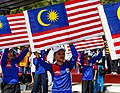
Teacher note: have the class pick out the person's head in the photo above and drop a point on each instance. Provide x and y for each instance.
(59, 54)
(22, 48)
(86, 56)
(37, 54)
(10, 54)
(45, 55)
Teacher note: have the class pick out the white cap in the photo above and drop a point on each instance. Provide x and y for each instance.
(56, 49)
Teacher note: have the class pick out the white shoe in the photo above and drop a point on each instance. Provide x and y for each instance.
(114, 73)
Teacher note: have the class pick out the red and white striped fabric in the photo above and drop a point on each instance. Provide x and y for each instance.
(84, 22)
(83, 19)
(88, 44)
(18, 35)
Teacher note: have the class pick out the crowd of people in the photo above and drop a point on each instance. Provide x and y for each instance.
(19, 62)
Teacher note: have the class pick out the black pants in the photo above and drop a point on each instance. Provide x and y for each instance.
(10, 88)
(114, 66)
(108, 62)
(87, 86)
(103, 61)
(40, 80)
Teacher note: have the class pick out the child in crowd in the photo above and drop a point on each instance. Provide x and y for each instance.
(60, 71)
(87, 71)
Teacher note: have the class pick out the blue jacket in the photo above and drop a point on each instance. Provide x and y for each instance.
(10, 71)
(38, 68)
(61, 74)
(87, 70)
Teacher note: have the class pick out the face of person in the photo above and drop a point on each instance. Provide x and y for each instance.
(36, 54)
(60, 56)
(10, 54)
(86, 57)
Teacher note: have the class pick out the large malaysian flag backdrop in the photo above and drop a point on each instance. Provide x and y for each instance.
(110, 17)
(63, 23)
(13, 31)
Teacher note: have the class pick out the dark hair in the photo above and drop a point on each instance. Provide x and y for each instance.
(11, 50)
(86, 54)
(14, 54)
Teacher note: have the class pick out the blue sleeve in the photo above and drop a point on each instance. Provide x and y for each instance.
(21, 56)
(94, 59)
(44, 64)
(42, 53)
(82, 58)
(35, 61)
(73, 60)
(4, 57)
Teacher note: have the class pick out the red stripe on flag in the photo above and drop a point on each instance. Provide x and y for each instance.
(117, 51)
(15, 15)
(17, 24)
(18, 28)
(14, 43)
(11, 20)
(12, 38)
(115, 36)
(82, 6)
(18, 33)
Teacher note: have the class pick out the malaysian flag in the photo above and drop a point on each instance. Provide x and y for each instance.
(88, 44)
(110, 17)
(63, 23)
(13, 31)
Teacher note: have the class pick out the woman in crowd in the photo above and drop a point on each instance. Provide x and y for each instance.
(9, 63)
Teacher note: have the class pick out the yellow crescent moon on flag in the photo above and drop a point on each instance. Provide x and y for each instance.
(1, 25)
(118, 13)
(39, 18)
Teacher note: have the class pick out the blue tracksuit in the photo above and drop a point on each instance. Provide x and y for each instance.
(61, 74)
(39, 68)
(87, 71)
(10, 71)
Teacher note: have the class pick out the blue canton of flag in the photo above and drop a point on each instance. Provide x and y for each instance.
(47, 18)
(111, 11)
(4, 26)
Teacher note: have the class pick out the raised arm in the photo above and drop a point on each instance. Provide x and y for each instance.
(21, 56)
(44, 64)
(4, 57)
(82, 58)
(97, 57)
(74, 56)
